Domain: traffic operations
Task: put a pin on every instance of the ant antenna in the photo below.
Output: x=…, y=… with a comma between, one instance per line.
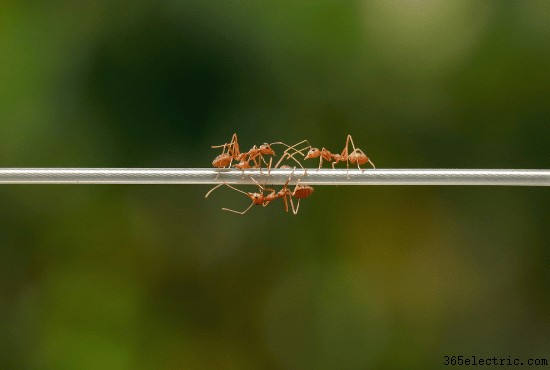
x=241, y=213
x=286, y=153
x=226, y=184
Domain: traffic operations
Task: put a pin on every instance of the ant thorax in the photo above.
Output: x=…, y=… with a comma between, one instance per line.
x=327, y=156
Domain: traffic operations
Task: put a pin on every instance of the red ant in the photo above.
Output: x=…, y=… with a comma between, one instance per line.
x=300, y=191
x=355, y=157
x=226, y=158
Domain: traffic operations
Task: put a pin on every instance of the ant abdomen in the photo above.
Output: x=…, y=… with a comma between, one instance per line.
x=358, y=158
x=221, y=161
x=303, y=191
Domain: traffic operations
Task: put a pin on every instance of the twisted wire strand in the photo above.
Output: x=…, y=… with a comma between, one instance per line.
x=491, y=177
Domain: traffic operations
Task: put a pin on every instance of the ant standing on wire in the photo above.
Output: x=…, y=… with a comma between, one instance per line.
x=226, y=158
x=355, y=157
x=232, y=152
x=255, y=155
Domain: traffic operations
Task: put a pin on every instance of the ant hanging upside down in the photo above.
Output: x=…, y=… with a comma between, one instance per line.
x=300, y=191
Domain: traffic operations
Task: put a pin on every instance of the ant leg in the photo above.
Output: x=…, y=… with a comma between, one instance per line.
x=298, y=206
x=288, y=147
x=258, y=163
x=354, y=150
x=220, y=146
x=345, y=154
x=288, y=193
x=254, y=159
x=235, y=142
x=289, y=178
x=294, y=211
x=232, y=147
x=262, y=188
x=280, y=160
x=286, y=201
x=372, y=164
x=241, y=213
x=283, y=157
x=211, y=190
x=297, y=161
x=269, y=166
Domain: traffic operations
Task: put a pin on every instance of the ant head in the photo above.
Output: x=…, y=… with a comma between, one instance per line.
x=313, y=153
x=265, y=148
x=256, y=198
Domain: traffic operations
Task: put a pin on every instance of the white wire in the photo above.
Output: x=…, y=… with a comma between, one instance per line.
x=276, y=177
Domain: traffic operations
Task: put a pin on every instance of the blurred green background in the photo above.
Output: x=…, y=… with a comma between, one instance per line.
x=157, y=277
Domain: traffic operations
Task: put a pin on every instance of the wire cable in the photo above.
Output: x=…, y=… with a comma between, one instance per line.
x=498, y=177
